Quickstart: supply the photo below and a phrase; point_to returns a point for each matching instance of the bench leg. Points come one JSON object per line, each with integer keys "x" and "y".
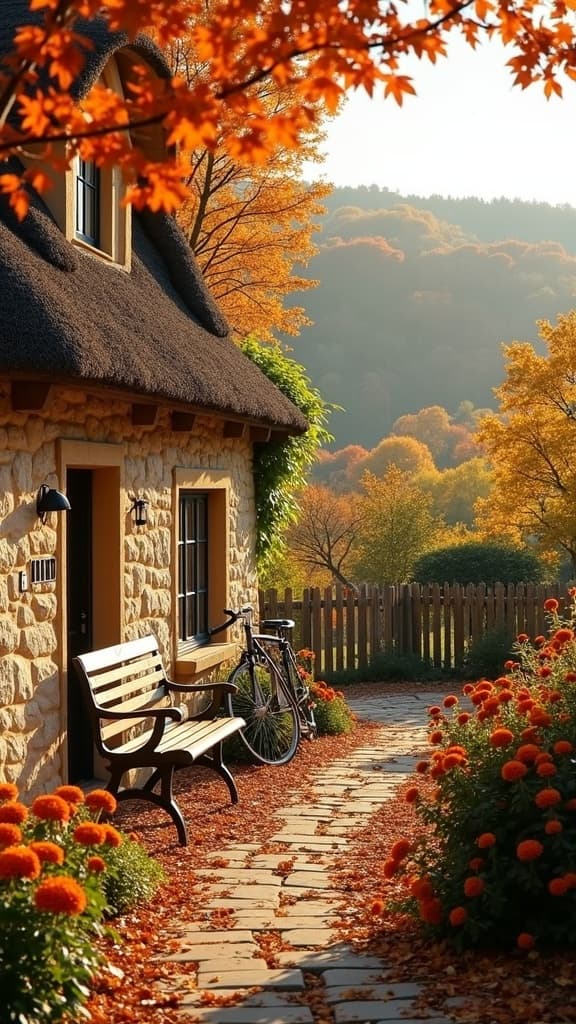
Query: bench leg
{"x": 164, "y": 799}
{"x": 215, "y": 762}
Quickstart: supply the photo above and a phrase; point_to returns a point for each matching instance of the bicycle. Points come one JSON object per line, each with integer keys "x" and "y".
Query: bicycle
{"x": 270, "y": 694}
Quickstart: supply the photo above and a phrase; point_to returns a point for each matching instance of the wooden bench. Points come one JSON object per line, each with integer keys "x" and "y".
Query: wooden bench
{"x": 136, "y": 725}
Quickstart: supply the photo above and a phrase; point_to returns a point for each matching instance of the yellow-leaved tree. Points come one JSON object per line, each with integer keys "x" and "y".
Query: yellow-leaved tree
{"x": 531, "y": 445}
{"x": 251, "y": 225}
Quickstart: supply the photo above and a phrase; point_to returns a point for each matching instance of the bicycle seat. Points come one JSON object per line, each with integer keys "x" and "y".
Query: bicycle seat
{"x": 277, "y": 624}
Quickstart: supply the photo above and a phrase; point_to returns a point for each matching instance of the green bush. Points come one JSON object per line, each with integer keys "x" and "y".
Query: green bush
{"x": 486, "y": 655}
{"x": 494, "y": 860}
{"x": 332, "y": 714}
{"x": 133, "y": 877}
{"x": 388, "y": 666}
{"x": 479, "y": 563}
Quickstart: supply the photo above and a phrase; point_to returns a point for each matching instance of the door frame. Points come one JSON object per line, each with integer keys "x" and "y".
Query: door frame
{"x": 108, "y": 527}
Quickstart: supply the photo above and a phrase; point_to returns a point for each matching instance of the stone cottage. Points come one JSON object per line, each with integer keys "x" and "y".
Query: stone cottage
{"x": 121, "y": 389}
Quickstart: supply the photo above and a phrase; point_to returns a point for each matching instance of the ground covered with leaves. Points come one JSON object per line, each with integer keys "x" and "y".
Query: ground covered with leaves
{"x": 484, "y": 988}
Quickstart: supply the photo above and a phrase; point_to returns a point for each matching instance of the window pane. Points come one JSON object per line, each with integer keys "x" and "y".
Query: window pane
{"x": 193, "y": 567}
{"x": 202, "y": 524}
{"x": 201, "y": 566}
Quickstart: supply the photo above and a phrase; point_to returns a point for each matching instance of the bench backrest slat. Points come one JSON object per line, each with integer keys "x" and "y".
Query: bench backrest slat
{"x": 107, "y": 657}
{"x": 143, "y": 684}
{"x": 120, "y": 672}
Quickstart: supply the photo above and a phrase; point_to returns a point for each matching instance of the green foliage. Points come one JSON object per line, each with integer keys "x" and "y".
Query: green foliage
{"x": 388, "y": 665}
{"x": 280, "y": 466}
{"x": 485, "y": 656}
{"x": 133, "y": 877}
{"x": 478, "y": 562}
{"x": 58, "y": 864}
{"x": 332, "y": 714}
{"x": 494, "y": 864}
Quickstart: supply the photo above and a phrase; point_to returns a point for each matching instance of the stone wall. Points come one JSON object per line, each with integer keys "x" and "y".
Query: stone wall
{"x": 32, "y": 716}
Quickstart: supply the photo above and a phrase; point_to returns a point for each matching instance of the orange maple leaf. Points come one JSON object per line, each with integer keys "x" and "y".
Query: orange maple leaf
{"x": 397, "y": 86}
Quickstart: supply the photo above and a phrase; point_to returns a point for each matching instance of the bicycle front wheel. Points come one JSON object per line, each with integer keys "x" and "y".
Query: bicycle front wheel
{"x": 308, "y": 727}
{"x": 262, "y": 699}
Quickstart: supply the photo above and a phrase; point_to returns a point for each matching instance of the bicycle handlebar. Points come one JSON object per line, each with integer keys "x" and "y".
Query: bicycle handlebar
{"x": 233, "y": 617}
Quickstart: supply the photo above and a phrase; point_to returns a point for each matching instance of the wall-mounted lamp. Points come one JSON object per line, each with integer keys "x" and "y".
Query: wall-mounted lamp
{"x": 139, "y": 509}
{"x": 48, "y": 500}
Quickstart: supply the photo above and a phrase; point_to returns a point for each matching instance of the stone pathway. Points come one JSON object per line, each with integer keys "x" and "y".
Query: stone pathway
{"x": 301, "y": 905}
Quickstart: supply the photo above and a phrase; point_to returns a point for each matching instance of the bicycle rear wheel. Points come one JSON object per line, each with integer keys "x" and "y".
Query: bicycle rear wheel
{"x": 263, "y": 700}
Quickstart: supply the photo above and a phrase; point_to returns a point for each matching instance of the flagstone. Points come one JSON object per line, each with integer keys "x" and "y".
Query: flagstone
{"x": 313, "y": 879}
{"x": 207, "y": 951}
{"x": 310, "y": 937}
{"x": 285, "y": 979}
{"x": 242, "y": 874}
{"x": 318, "y": 960}
{"x": 198, "y": 935}
{"x": 251, "y": 1015}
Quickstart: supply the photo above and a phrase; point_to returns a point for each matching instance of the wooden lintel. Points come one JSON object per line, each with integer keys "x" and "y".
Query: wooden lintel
{"x": 144, "y": 415}
{"x": 233, "y": 428}
{"x": 182, "y": 420}
{"x": 260, "y": 433}
{"x": 29, "y": 394}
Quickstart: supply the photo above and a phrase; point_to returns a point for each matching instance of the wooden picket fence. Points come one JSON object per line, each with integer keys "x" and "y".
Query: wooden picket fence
{"x": 346, "y": 628}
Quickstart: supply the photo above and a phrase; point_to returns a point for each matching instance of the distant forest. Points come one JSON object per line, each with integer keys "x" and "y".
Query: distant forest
{"x": 416, "y": 296}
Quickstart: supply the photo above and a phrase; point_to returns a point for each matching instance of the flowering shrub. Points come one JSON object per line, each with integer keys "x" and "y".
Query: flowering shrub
{"x": 496, "y": 861}
{"x": 57, "y": 862}
{"x": 332, "y": 714}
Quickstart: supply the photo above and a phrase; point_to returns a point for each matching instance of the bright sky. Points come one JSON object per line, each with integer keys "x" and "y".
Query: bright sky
{"x": 467, "y": 132}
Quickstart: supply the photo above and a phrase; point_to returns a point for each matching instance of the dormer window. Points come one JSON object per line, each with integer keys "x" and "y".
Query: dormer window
{"x": 88, "y": 202}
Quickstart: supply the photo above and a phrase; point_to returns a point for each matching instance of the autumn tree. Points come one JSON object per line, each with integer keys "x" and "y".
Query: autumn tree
{"x": 325, "y": 533}
{"x": 406, "y": 453}
{"x": 351, "y": 44}
{"x": 531, "y": 444}
{"x": 250, "y": 226}
{"x": 449, "y": 442}
{"x": 396, "y": 526}
{"x": 456, "y": 490}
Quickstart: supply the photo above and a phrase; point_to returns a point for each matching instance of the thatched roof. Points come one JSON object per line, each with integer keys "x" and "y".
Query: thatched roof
{"x": 156, "y": 331}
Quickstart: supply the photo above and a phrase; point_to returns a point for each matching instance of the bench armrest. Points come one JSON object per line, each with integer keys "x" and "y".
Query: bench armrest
{"x": 218, "y": 689}
{"x": 174, "y": 713}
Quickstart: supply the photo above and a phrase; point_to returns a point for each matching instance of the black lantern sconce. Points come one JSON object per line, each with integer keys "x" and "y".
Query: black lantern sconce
{"x": 48, "y": 500}
{"x": 139, "y": 509}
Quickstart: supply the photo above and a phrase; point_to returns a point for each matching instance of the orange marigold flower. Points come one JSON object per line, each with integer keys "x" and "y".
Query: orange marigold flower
{"x": 450, "y": 701}
{"x": 436, "y": 737}
{"x": 19, "y": 862}
{"x": 505, "y": 696}
{"x": 468, "y": 689}
{"x": 101, "y": 800}
{"x": 486, "y": 840}
{"x": 543, "y": 756}
{"x": 96, "y": 864}
{"x": 411, "y": 795}
{"x": 570, "y": 805}
{"x": 13, "y": 812}
{"x": 527, "y": 752}
{"x": 51, "y": 808}
{"x": 8, "y": 791}
{"x": 513, "y": 770}
{"x": 90, "y": 833}
{"x": 401, "y": 849}
{"x": 463, "y": 717}
{"x": 522, "y": 638}
{"x": 570, "y": 879}
{"x": 529, "y": 849}
{"x": 457, "y": 916}
{"x": 72, "y": 794}
{"x": 476, "y": 864}
{"x": 501, "y": 737}
{"x": 563, "y": 747}
{"x": 545, "y": 671}
{"x": 431, "y": 911}
{"x": 473, "y": 886}
{"x": 434, "y": 711}
{"x": 422, "y": 767}
{"x": 421, "y": 888}
{"x": 437, "y": 772}
{"x": 546, "y": 769}
{"x": 47, "y": 852}
{"x": 564, "y": 635}
{"x": 10, "y": 834}
{"x": 570, "y": 677}
{"x": 525, "y": 940}
{"x": 540, "y": 717}
{"x": 453, "y": 760}
{"x": 539, "y": 640}
{"x": 551, "y": 604}
{"x": 557, "y": 886}
{"x": 60, "y": 894}
{"x": 546, "y": 798}
{"x": 553, "y": 827}
{"x": 525, "y": 705}
{"x": 554, "y": 697}
{"x": 530, "y": 735}
{"x": 508, "y": 665}
{"x": 390, "y": 868}
{"x": 112, "y": 836}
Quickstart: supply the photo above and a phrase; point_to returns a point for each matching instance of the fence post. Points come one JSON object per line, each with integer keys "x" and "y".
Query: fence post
{"x": 388, "y": 618}
{"x": 458, "y": 610}
{"x": 447, "y": 623}
{"x": 328, "y": 630}
{"x": 350, "y": 628}
{"x": 363, "y": 608}
{"x": 306, "y": 623}
{"x": 339, "y": 628}
{"x": 317, "y": 630}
